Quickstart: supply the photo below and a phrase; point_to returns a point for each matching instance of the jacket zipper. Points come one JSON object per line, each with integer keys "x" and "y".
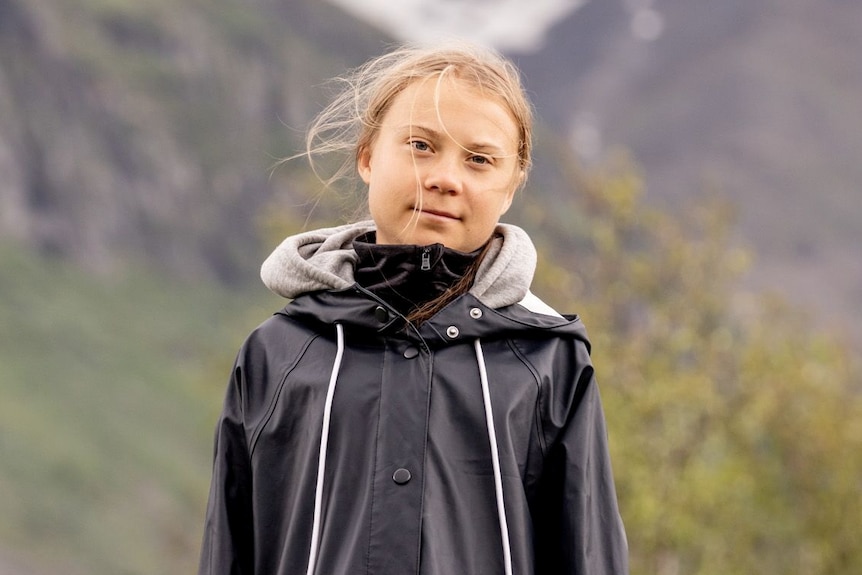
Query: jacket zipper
{"x": 426, "y": 259}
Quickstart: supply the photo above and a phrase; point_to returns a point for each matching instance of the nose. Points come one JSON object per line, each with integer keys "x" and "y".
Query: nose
{"x": 444, "y": 175}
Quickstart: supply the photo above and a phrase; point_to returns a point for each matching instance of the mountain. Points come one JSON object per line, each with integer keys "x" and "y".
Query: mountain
{"x": 757, "y": 102}
{"x": 134, "y": 131}
{"x": 146, "y": 130}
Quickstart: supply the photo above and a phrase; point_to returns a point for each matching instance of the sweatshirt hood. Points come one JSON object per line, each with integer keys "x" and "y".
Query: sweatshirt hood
{"x": 324, "y": 259}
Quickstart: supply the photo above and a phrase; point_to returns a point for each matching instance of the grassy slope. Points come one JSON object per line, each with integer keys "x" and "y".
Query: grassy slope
{"x": 110, "y": 390}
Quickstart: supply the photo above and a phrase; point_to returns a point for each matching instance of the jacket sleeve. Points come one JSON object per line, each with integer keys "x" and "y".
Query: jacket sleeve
{"x": 579, "y": 530}
{"x": 228, "y": 542}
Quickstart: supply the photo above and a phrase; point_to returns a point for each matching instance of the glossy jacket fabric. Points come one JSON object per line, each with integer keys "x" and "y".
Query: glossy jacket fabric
{"x": 408, "y": 485}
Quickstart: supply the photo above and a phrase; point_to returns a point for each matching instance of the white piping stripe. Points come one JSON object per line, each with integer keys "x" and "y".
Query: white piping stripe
{"x": 495, "y": 460}
{"x": 321, "y": 458}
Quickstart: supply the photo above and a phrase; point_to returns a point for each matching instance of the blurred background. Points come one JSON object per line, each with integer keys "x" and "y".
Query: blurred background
{"x": 695, "y": 198}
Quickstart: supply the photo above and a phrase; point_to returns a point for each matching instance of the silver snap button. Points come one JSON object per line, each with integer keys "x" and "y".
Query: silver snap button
{"x": 452, "y": 331}
{"x": 410, "y": 352}
{"x": 381, "y": 314}
{"x": 475, "y": 313}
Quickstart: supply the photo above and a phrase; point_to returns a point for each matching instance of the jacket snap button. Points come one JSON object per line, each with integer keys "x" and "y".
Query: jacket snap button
{"x": 452, "y": 331}
{"x": 401, "y": 476}
{"x": 410, "y": 352}
{"x": 475, "y": 313}
{"x": 381, "y": 314}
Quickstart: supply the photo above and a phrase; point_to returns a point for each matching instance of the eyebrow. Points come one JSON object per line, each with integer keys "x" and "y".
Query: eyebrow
{"x": 435, "y": 134}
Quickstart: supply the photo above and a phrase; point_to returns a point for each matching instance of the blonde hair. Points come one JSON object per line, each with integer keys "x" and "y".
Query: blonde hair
{"x": 350, "y": 123}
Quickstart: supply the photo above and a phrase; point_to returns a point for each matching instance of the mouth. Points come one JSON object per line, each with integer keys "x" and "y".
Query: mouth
{"x": 438, "y": 214}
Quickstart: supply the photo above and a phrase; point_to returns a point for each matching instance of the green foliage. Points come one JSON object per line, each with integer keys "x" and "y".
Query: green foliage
{"x": 734, "y": 424}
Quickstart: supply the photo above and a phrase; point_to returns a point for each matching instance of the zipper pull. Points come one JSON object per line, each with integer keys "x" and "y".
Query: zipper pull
{"x": 426, "y": 259}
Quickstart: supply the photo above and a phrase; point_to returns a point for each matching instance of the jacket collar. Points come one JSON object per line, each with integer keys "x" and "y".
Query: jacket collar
{"x": 325, "y": 260}
{"x": 407, "y": 276}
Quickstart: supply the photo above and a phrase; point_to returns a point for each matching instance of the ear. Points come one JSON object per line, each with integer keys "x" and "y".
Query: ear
{"x": 363, "y": 164}
{"x": 522, "y": 179}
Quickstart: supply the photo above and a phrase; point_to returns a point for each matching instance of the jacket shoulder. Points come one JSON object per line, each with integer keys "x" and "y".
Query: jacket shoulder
{"x": 532, "y": 302}
{"x": 267, "y": 354}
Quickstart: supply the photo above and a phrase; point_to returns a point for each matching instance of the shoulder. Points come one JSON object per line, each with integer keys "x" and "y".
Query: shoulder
{"x": 547, "y": 337}
{"x": 274, "y": 328}
{"x": 276, "y": 341}
{"x": 272, "y": 350}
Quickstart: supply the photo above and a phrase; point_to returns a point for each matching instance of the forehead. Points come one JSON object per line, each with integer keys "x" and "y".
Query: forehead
{"x": 450, "y": 104}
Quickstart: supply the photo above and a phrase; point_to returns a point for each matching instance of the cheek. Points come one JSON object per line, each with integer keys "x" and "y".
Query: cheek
{"x": 373, "y": 201}
{"x": 508, "y": 191}
{"x": 500, "y": 198}
{"x": 381, "y": 207}
{"x": 507, "y": 202}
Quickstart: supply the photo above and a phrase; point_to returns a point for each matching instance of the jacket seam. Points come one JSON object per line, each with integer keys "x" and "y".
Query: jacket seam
{"x": 540, "y": 431}
{"x": 276, "y": 395}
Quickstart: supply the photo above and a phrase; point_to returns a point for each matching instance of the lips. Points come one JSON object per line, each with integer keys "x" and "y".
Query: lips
{"x": 439, "y": 214}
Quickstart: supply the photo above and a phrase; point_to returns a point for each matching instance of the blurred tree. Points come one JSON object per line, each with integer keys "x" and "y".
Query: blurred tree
{"x": 736, "y": 429}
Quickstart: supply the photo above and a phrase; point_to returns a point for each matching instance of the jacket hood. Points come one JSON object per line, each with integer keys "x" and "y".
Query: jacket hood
{"x": 324, "y": 259}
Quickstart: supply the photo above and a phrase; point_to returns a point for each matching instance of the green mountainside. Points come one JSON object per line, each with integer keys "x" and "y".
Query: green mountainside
{"x": 110, "y": 390}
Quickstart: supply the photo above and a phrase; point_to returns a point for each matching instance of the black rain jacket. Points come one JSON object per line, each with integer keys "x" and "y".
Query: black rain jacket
{"x": 408, "y": 482}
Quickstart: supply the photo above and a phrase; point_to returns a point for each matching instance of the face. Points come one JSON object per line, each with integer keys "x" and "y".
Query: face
{"x": 442, "y": 168}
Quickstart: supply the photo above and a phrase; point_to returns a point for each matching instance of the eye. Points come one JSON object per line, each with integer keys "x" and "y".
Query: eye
{"x": 419, "y": 145}
{"x": 480, "y": 160}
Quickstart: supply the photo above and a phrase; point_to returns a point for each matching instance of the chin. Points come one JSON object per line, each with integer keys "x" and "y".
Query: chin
{"x": 427, "y": 239}
{"x": 423, "y": 237}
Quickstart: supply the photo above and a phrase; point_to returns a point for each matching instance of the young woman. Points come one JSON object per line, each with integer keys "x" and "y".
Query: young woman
{"x": 415, "y": 409}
